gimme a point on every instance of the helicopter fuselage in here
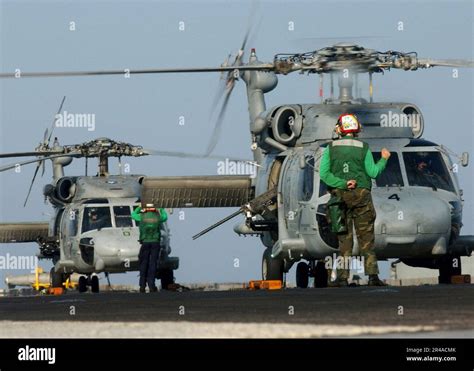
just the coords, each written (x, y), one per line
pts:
(418, 207)
(97, 234)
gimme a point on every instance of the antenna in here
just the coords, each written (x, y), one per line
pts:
(321, 85)
(371, 88)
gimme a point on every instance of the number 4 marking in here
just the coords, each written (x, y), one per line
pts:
(394, 197)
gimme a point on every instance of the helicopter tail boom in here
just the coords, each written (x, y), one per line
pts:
(23, 232)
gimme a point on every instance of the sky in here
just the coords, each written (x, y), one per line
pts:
(148, 109)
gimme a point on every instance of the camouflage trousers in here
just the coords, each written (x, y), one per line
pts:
(360, 216)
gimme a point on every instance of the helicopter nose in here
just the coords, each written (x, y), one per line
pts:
(411, 223)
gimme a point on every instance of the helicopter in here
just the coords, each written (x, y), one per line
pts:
(419, 214)
(91, 230)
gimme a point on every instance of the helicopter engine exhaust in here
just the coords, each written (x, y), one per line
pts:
(286, 125)
(65, 189)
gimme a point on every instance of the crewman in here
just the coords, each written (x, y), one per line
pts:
(149, 221)
(347, 167)
(96, 221)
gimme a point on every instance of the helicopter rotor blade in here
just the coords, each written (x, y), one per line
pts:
(221, 86)
(125, 72)
(32, 182)
(153, 152)
(428, 62)
(43, 168)
(12, 166)
(219, 123)
(230, 80)
(53, 125)
(28, 154)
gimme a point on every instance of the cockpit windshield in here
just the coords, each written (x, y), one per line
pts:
(96, 218)
(123, 217)
(427, 169)
(392, 175)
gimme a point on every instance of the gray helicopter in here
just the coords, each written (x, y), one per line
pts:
(91, 230)
(418, 199)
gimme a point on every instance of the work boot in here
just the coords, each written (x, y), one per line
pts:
(338, 283)
(374, 280)
(142, 290)
(153, 289)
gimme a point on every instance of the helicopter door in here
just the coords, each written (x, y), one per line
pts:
(307, 219)
(57, 223)
(290, 189)
(69, 229)
(324, 230)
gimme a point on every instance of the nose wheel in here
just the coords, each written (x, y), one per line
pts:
(85, 282)
(302, 275)
(314, 269)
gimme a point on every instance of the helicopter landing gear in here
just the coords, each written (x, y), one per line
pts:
(302, 275)
(92, 281)
(449, 266)
(320, 274)
(314, 269)
(82, 284)
(167, 278)
(94, 284)
(272, 269)
(57, 278)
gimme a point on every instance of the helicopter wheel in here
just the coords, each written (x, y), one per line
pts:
(167, 278)
(449, 266)
(302, 275)
(95, 284)
(320, 275)
(56, 278)
(272, 269)
(82, 284)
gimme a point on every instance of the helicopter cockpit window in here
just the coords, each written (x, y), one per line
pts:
(392, 175)
(123, 217)
(427, 169)
(73, 224)
(96, 218)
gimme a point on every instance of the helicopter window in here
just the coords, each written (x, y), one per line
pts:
(73, 224)
(308, 180)
(123, 217)
(392, 175)
(96, 218)
(427, 169)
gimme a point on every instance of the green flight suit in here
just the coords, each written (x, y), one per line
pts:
(345, 159)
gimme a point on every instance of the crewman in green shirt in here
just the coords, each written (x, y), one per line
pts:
(149, 221)
(347, 167)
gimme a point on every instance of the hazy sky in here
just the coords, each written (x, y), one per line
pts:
(36, 36)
